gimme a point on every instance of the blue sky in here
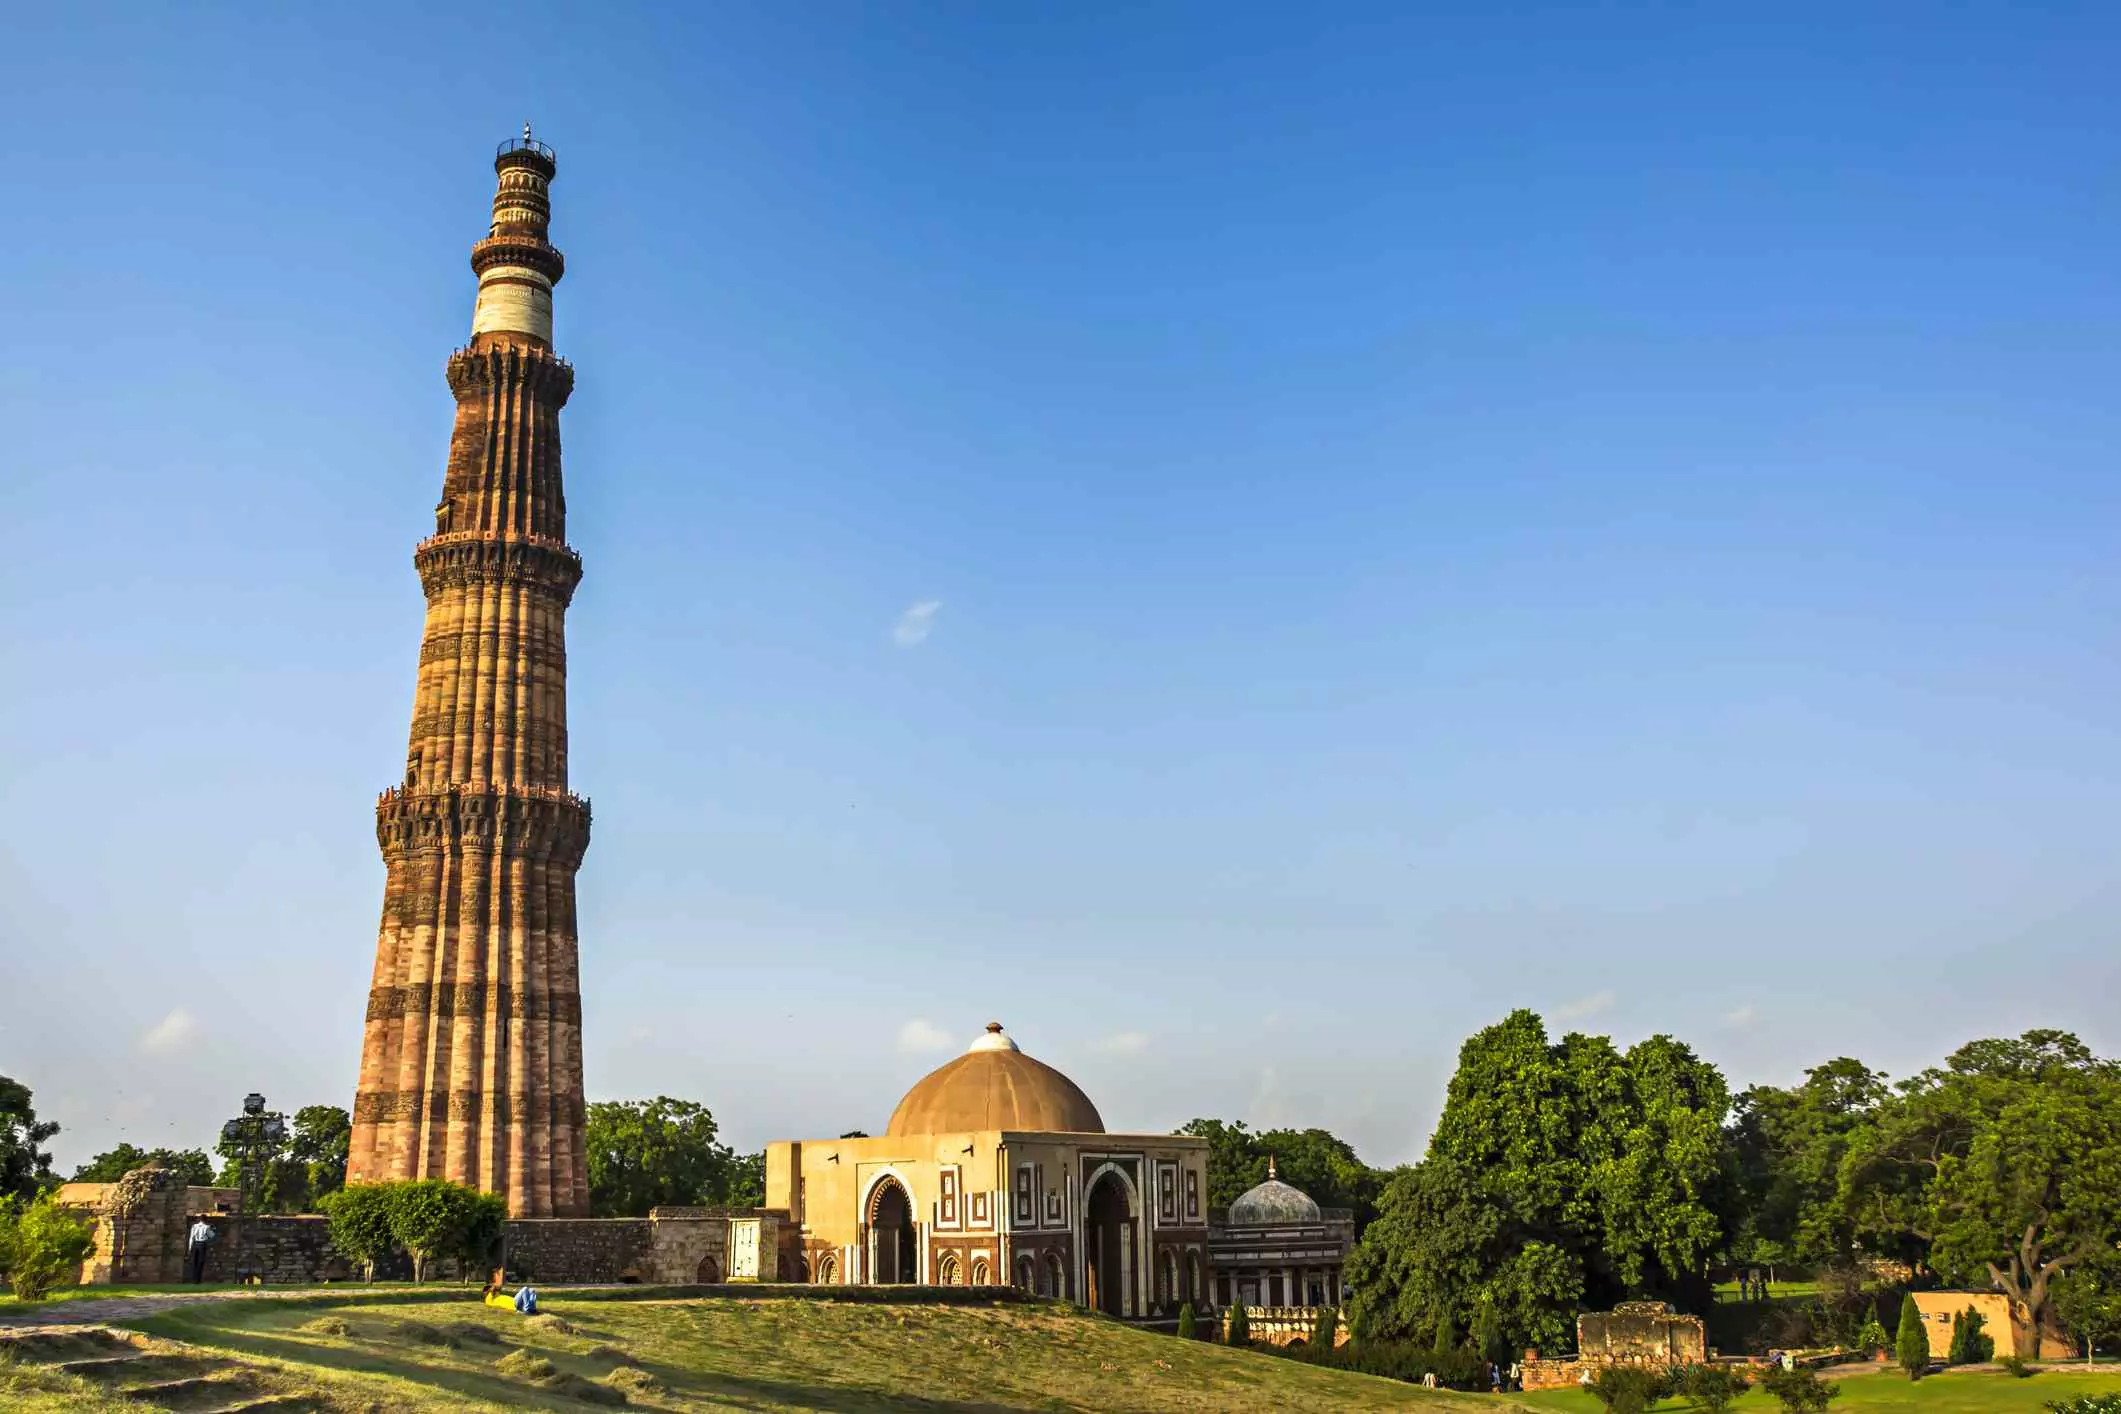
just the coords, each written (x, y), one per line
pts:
(1425, 511)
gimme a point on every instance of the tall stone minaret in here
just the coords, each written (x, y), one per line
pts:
(471, 1062)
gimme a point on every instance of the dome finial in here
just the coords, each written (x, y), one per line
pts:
(994, 1026)
(1270, 1167)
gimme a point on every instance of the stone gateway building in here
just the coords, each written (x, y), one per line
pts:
(471, 1061)
(996, 1170)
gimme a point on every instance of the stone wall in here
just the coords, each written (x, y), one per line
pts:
(280, 1251)
(558, 1250)
(1641, 1333)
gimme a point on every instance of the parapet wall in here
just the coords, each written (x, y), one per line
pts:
(1284, 1325)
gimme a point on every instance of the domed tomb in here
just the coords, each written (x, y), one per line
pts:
(1272, 1204)
(994, 1085)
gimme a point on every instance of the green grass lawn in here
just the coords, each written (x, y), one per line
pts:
(1969, 1391)
(759, 1355)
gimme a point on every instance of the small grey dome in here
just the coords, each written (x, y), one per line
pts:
(1272, 1204)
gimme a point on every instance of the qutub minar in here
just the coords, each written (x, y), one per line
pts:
(471, 1058)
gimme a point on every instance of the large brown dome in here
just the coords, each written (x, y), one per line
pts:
(995, 1086)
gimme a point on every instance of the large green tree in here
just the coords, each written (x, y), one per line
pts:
(25, 1166)
(1787, 1147)
(114, 1164)
(1560, 1173)
(643, 1153)
(2003, 1166)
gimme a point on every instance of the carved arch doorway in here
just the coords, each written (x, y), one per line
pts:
(892, 1253)
(1110, 1257)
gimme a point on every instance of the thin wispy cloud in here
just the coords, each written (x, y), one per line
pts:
(1123, 1043)
(914, 626)
(1739, 1018)
(170, 1032)
(919, 1037)
(1592, 1005)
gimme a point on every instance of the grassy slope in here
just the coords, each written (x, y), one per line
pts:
(1891, 1392)
(773, 1355)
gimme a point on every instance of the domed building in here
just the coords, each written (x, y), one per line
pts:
(996, 1169)
(1275, 1247)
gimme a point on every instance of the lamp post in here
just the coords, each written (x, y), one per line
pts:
(252, 1139)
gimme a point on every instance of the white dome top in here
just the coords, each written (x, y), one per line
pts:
(1273, 1204)
(993, 1039)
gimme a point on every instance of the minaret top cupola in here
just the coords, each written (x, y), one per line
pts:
(516, 265)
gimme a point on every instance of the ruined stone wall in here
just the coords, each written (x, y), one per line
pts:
(1641, 1333)
(139, 1230)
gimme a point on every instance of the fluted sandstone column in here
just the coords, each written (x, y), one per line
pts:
(471, 1062)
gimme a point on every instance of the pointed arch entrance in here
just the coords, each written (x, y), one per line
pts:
(892, 1252)
(1110, 1253)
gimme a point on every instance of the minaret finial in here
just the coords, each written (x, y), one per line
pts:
(526, 130)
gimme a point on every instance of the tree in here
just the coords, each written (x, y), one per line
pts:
(660, 1152)
(1325, 1330)
(1801, 1391)
(746, 1186)
(2087, 1301)
(322, 1142)
(2003, 1164)
(430, 1217)
(41, 1244)
(1787, 1149)
(25, 1168)
(478, 1241)
(360, 1224)
(1561, 1174)
(1969, 1345)
(1912, 1347)
(1240, 1326)
(1188, 1323)
(2037, 1190)
(114, 1164)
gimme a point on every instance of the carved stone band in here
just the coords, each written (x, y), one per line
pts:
(453, 999)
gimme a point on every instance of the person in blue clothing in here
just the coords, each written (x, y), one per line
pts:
(526, 1300)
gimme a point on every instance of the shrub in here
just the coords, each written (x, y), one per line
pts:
(430, 1216)
(1801, 1391)
(1188, 1324)
(1326, 1327)
(41, 1245)
(1913, 1344)
(1240, 1326)
(2108, 1403)
(1627, 1389)
(1872, 1339)
(1713, 1386)
(2018, 1367)
(1970, 1346)
(360, 1224)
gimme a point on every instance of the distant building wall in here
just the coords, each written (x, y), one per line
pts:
(1938, 1308)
